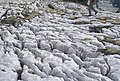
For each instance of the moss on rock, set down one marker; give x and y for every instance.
(117, 42)
(109, 51)
(12, 20)
(104, 19)
(111, 40)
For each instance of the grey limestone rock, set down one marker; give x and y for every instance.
(114, 67)
(57, 41)
(53, 79)
(40, 53)
(62, 55)
(44, 45)
(53, 59)
(10, 61)
(46, 68)
(71, 64)
(8, 75)
(27, 76)
(58, 72)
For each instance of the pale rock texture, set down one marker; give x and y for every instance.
(56, 40)
(8, 75)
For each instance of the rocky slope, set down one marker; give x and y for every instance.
(59, 42)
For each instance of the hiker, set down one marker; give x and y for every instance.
(91, 4)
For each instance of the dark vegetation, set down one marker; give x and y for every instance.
(16, 20)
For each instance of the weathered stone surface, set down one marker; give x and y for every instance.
(44, 45)
(46, 68)
(114, 69)
(53, 59)
(10, 61)
(27, 76)
(8, 75)
(57, 41)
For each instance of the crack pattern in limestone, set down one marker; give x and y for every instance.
(62, 44)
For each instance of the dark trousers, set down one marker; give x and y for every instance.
(91, 8)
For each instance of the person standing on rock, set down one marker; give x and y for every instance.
(91, 3)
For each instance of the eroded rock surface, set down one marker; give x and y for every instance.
(60, 44)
